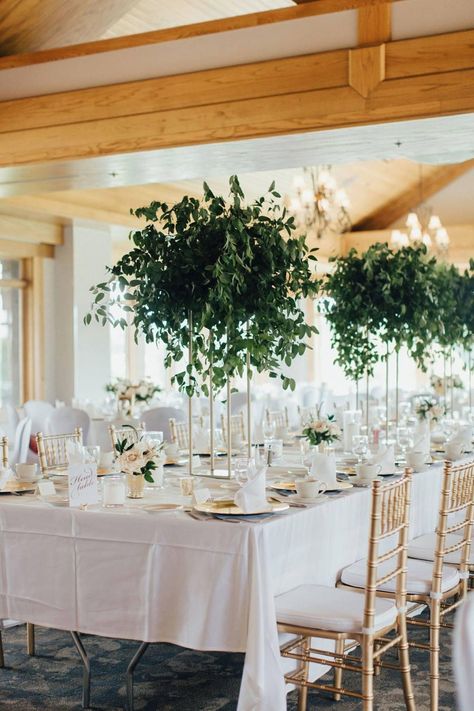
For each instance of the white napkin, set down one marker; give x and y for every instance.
(323, 467)
(200, 496)
(251, 497)
(385, 457)
(422, 442)
(464, 435)
(5, 475)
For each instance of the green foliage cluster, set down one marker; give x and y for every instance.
(236, 269)
(397, 298)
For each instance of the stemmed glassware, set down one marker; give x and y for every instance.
(268, 429)
(241, 465)
(404, 440)
(360, 447)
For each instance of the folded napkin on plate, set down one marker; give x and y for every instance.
(251, 497)
(464, 435)
(5, 475)
(284, 469)
(386, 457)
(323, 467)
(200, 496)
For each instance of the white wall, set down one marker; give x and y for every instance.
(81, 353)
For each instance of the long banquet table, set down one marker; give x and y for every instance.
(165, 577)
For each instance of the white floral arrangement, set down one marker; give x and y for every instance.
(124, 389)
(322, 430)
(140, 457)
(428, 409)
(439, 383)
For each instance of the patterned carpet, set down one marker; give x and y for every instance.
(170, 678)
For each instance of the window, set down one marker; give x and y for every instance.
(11, 301)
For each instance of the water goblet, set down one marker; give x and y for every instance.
(404, 440)
(268, 429)
(92, 454)
(241, 465)
(360, 447)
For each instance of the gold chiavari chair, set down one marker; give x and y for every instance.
(237, 426)
(130, 434)
(4, 451)
(179, 433)
(436, 585)
(278, 417)
(306, 414)
(52, 450)
(349, 617)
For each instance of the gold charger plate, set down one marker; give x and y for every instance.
(291, 486)
(25, 486)
(228, 508)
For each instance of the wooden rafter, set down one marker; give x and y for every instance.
(401, 204)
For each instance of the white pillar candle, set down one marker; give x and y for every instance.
(113, 491)
(350, 430)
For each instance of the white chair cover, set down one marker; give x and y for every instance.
(158, 419)
(38, 411)
(22, 442)
(463, 654)
(66, 419)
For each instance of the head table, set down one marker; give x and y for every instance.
(166, 577)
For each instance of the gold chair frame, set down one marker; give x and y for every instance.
(237, 426)
(4, 450)
(457, 497)
(131, 434)
(389, 517)
(279, 417)
(52, 452)
(179, 433)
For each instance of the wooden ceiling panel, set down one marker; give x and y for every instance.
(29, 25)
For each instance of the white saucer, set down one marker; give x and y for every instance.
(303, 500)
(357, 481)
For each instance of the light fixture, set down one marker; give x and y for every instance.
(423, 227)
(319, 206)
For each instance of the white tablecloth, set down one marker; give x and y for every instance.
(168, 578)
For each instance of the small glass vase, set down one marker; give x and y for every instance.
(135, 486)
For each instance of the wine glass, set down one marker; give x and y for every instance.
(92, 454)
(360, 447)
(404, 440)
(241, 466)
(268, 429)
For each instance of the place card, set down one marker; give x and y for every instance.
(82, 480)
(46, 488)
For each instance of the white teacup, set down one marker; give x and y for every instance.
(27, 472)
(368, 471)
(310, 488)
(454, 450)
(416, 460)
(106, 460)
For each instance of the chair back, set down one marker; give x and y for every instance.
(179, 433)
(237, 426)
(158, 418)
(456, 498)
(130, 434)
(4, 451)
(67, 419)
(38, 411)
(278, 417)
(390, 516)
(306, 414)
(52, 450)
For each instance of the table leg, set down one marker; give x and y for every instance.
(86, 681)
(130, 669)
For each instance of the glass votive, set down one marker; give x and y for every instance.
(92, 454)
(113, 491)
(186, 485)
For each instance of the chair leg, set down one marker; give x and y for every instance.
(404, 659)
(2, 660)
(338, 672)
(434, 653)
(367, 673)
(304, 667)
(30, 639)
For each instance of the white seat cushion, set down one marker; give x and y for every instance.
(419, 575)
(324, 608)
(423, 548)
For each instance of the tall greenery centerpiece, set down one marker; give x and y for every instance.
(381, 297)
(216, 279)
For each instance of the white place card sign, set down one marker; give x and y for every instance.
(82, 478)
(46, 488)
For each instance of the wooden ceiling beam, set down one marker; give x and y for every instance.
(409, 198)
(375, 24)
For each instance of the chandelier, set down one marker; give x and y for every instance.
(423, 227)
(319, 206)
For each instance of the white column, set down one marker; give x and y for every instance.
(82, 352)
